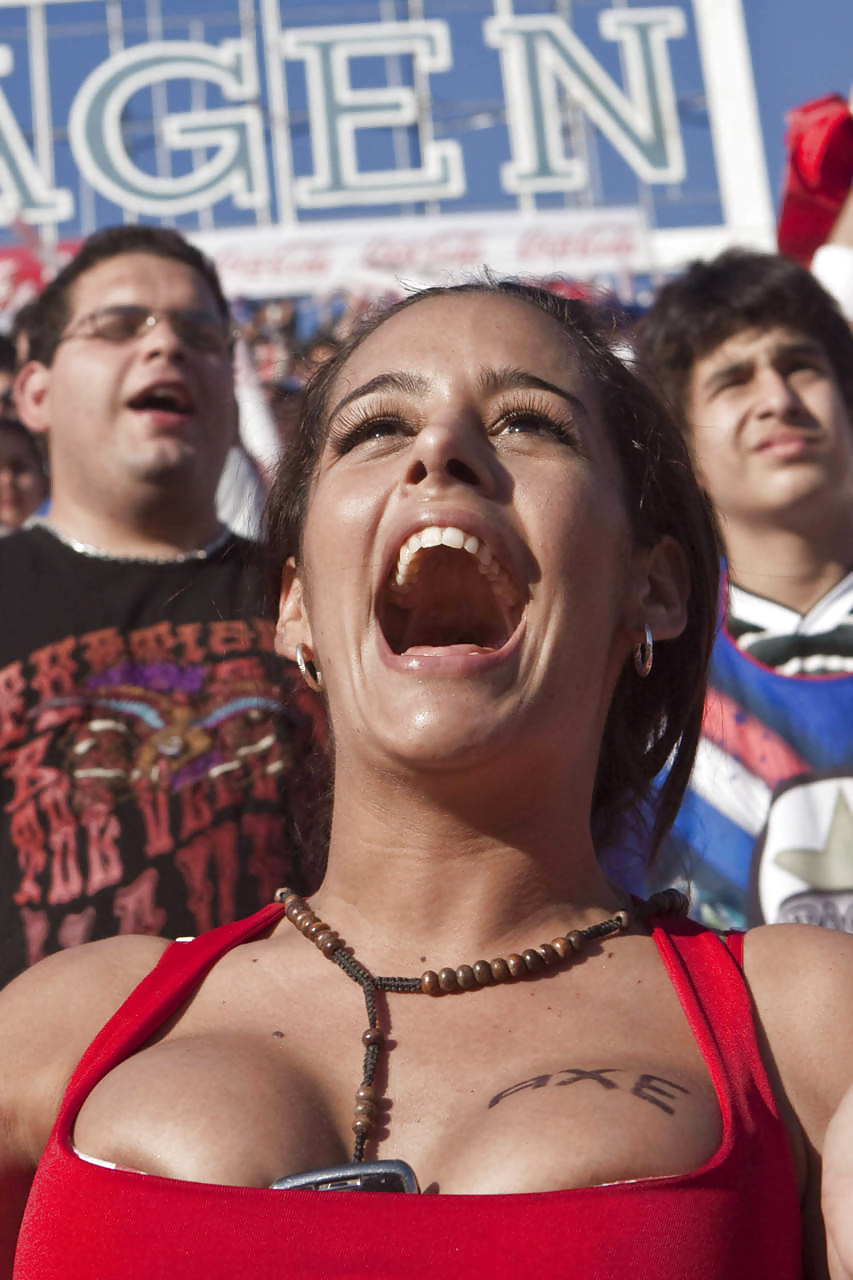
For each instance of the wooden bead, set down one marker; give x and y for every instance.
(667, 902)
(307, 921)
(465, 977)
(483, 973)
(361, 1125)
(429, 983)
(575, 940)
(329, 945)
(548, 954)
(562, 947)
(320, 938)
(678, 902)
(316, 926)
(533, 962)
(365, 1093)
(372, 1036)
(294, 908)
(302, 917)
(516, 965)
(447, 979)
(500, 969)
(366, 1109)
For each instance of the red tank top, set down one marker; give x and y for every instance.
(736, 1216)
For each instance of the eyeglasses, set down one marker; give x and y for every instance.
(200, 330)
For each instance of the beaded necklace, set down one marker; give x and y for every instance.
(465, 977)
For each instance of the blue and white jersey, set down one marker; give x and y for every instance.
(765, 832)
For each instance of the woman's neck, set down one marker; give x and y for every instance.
(442, 869)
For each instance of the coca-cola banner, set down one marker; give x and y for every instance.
(374, 254)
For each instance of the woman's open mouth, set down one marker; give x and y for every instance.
(447, 592)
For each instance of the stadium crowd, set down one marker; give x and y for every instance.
(165, 757)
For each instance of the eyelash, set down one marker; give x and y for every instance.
(541, 413)
(362, 423)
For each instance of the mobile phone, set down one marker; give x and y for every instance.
(376, 1175)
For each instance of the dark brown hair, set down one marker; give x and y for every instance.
(50, 312)
(650, 721)
(738, 290)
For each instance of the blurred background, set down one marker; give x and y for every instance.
(326, 154)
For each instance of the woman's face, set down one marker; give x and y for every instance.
(469, 578)
(22, 485)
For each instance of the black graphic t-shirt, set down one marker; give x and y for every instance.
(156, 759)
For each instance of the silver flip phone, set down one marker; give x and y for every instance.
(378, 1175)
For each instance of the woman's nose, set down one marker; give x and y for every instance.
(454, 452)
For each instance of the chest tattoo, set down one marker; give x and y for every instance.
(656, 1090)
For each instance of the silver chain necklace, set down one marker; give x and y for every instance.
(98, 553)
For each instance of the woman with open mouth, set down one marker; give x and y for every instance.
(497, 569)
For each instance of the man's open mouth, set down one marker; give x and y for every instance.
(163, 398)
(445, 589)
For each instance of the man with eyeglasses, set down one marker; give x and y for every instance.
(155, 762)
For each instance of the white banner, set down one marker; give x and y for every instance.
(373, 255)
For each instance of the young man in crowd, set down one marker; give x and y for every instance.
(23, 478)
(153, 770)
(758, 362)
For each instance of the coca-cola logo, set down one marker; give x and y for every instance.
(593, 242)
(445, 249)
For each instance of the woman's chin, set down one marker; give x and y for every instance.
(432, 727)
(439, 706)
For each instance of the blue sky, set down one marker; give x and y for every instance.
(800, 49)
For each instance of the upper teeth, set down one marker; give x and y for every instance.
(406, 569)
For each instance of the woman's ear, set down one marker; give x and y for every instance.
(663, 590)
(293, 627)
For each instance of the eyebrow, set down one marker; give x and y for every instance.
(801, 347)
(493, 381)
(490, 382)
(413, 384)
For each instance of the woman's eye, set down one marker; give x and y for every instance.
(537, 424)
(367, 432)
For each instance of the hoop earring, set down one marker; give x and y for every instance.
(644, 654)
(312, 677)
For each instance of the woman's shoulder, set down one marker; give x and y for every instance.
(51, 1013)
(784, 960)
(70, 995)
(801, 980)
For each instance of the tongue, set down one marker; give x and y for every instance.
(426, 650)
(451, 627)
